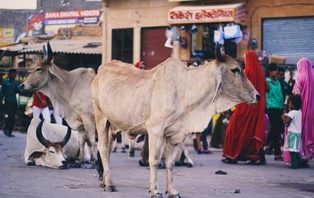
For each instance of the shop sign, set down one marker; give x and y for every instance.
(208, 14)
(72, 14)
(201, 16)
(7, 36)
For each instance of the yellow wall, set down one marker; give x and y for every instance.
(153, 13)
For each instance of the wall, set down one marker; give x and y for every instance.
(152, 13)
(257, 10)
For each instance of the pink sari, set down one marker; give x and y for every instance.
(305, 88)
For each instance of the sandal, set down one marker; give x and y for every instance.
(278, 158)
(206, 152)
(257, 162)
(229, 161)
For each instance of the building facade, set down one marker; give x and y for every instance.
(135, 30)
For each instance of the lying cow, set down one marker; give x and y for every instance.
(50, 145)
(70, 95)
(167, 103)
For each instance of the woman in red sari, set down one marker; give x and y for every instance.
(244, 135)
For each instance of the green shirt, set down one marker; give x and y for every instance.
(274, 97)
(9, 90)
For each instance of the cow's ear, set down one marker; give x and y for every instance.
(36, 154)
(53, 71)
(217, 83)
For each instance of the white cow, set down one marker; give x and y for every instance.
(70, 94)
(50, 145)
(168, 102)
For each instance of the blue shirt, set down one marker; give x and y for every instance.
(9, 90)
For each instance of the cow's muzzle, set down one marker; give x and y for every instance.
(64, 165)
(258, 97)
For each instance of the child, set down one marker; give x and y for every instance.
(293, 121)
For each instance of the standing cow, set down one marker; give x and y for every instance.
(50, 145)
(167, 102)
(70, 94)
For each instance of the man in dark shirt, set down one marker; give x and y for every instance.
(10, 87)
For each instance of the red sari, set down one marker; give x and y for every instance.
(244, 135)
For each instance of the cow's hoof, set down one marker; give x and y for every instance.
(189, 165)
(111, 189)
(158, 195)
(102, 185)
(175, 196)
(31, 164)
(76, 164)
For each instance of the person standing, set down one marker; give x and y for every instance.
(245, 132)
(274, 110)
(293, 121)
(304, 87)
(10, 87)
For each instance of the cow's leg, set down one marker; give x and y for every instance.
(187, 155)
(82, 139)
(91, 133)
(131, 147)
(171, 153)
(104, 144)
(155, 142)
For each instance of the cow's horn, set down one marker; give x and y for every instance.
(220, 57)
(39, 134)
(49, 55)
(66, 138)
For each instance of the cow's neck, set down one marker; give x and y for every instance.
(197, 95)
(58, 90)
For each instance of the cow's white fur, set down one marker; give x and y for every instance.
(53, 133)
(168, 102)
(70, 95)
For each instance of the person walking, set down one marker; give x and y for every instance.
(304, 87)
(245, 132)
(10, 87)
(274, 110)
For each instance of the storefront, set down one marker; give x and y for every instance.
(263, 26)
(202, 26)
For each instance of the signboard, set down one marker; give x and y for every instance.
(69, 19)
(35, 24)
(7, 36)
(208, 14)
(50, 22)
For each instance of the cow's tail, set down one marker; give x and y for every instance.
(99, 166)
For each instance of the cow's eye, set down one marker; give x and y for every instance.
(235, 70)
(38, 69)
(52, 152)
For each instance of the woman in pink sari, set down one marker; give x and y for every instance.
(304, 87)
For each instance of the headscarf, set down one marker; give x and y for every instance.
(245, 132)
(305, 84)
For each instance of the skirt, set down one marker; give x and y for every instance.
(292, 142)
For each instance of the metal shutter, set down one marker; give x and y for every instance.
(289, 37)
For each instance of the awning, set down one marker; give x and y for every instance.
(208, 14)
(93, 47)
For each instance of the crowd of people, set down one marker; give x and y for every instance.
(283, 118)
(289, 108)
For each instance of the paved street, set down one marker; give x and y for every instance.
(273, 180)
